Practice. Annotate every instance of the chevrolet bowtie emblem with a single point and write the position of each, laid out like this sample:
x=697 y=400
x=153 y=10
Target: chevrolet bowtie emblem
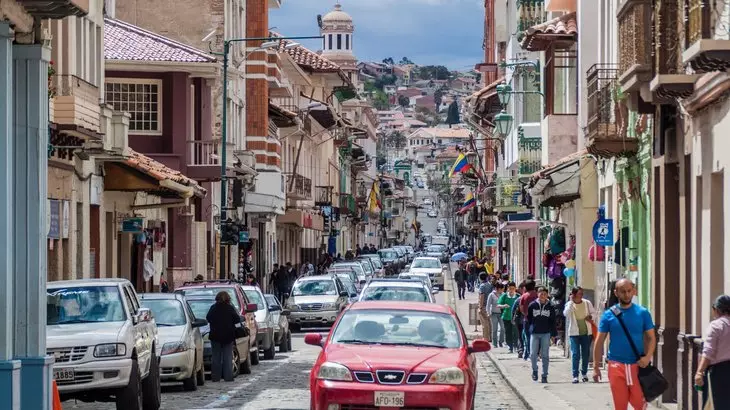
x=390 y=377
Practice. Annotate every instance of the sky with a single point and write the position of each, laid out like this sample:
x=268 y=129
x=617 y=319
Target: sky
x=429 y=32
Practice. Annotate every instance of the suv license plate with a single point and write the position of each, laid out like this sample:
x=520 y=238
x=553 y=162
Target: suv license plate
x=389 y=399
x=63 y=374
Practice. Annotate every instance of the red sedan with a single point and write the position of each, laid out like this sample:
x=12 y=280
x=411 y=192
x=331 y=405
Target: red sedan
x=407 y=355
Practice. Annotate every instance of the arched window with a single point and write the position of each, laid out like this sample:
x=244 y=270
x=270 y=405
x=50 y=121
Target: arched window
x=330 y=39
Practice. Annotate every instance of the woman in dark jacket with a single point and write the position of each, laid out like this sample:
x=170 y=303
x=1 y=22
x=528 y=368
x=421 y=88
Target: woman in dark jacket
x=222 y=318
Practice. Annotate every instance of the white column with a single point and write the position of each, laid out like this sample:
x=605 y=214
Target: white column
x=9 y=369
x=30 y=173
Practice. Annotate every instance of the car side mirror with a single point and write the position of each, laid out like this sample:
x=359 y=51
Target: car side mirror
x=344 y=293
x=314 y=339
x=252 y=307
x=407 y=267
x=144 y=315
x=274 y=308
x=285 y=312
x=435 y=291
x=199 y=323
x=480 y=345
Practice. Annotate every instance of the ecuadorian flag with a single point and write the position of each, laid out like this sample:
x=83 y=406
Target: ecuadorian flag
x=460 y=165
x=469 y=203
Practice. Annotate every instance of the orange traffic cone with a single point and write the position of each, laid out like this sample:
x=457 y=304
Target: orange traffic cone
x=56 y=397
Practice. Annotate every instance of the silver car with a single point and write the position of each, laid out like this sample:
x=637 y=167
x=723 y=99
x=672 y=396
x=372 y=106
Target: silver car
x=404 y=290
x=316 y=301
x=429 y=266
x=282 y=334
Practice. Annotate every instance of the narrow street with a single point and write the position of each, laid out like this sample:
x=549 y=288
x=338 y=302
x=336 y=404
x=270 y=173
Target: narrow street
x=282 y=383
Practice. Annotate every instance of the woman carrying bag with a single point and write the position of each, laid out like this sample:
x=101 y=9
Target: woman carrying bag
x=714 y=367
x=223 y=319
x=578 y=314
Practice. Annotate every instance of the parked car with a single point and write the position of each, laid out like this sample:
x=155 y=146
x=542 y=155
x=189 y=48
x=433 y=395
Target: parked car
x=377 y=263
x=391 y=261
x=264 y=321
x=105 y=344
x=438 y=251
x=282 y=334
x=432 y=213
x=316 y=300
x=431 y=267
x=243 y=356
x=239 y=300
x=362 y=275
x=417 y=356
x=406 y=290
x=178 y=330
x=346 y=272
x=351 y=289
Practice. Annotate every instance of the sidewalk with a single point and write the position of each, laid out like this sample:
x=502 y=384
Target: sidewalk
x=559 y=394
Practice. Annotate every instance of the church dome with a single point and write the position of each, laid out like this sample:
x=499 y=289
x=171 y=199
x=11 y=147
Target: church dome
x=337 y=16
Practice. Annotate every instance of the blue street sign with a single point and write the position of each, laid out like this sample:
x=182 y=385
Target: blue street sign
x=132 y=225
x=243 y=237
x=603 y=232
x=491 y=242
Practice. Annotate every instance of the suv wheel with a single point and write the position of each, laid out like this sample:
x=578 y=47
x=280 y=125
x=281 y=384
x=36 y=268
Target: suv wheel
x=255 y=356
x=151 y=390
x=200 y=376
x=130 y=397
x=271 y=351
x=283 y=343
x=288 y=341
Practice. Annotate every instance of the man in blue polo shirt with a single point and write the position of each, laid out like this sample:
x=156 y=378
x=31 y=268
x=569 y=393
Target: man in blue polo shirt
x=623 y=363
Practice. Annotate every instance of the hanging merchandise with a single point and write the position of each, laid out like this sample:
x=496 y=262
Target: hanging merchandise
x=568 y=272
x=597 y=253
x=546 y=258
x=557 y=241
x=555 y=270
x=570 y=264
x=149 y=270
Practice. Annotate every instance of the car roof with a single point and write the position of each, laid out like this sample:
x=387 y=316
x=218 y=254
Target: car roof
x=87 y=282
x=208 y=283
x=403 y=283
x=249 y=287
x=161 y=296
x=430 y=258
x=400 y=305
x=317 y=277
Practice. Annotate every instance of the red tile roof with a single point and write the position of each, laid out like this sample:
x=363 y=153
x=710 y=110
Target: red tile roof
x=160 y=171
x=308 y=58
x=124 y=41
x=537 y=37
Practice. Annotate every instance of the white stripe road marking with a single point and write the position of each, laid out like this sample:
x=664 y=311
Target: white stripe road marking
x=249 y=381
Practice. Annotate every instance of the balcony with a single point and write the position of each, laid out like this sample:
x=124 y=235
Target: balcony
x=347 y=204
x=55 y=9
x=529 y=151
x=363 y=191
x=607 y=118
x=670 y=81
x=76 y=108
x=530 y=13
x=635 y=45
x=509 y=194
x=203 y=161
x=705 y=53
x=323 y=195
x=298 y=187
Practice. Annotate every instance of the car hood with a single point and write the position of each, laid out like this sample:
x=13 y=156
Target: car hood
x=378 y=357
x=303 y=300
x=168 y=334
x=83 y=334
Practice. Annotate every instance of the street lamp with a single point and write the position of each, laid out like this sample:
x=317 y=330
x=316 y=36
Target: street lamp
x=504 y=93
x=503 y=123
x=268 y=42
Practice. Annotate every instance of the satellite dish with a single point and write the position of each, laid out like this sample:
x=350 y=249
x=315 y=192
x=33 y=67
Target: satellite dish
x=319 y=20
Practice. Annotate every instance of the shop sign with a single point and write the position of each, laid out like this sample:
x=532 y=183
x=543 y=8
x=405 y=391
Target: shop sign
x=54 y=218
x=65 y=220
x=306 y=220
x=132 y=224
x=243 y=236
x=603 y=232
x=490 y=242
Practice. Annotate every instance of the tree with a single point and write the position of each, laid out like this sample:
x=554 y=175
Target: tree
x=404 y=101
x=388 y=60
x=405 y=60
x=438 y=97
x=453 y=114
x=381 y=102
x=396 y=140
x=387 y=79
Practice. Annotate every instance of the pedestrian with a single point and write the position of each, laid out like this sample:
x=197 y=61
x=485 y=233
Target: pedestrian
x=623 y=363
x=358 y=250
x=505 y=302
x=578 y=314
x=251 y=280
x=518 y=321
x=714 y=368
x=485 y=289
x=460 y=279
x=541 y=316
x=199 y=277
x=222 y=318
x=527 y=297
x=495 y=314
x=349 y=255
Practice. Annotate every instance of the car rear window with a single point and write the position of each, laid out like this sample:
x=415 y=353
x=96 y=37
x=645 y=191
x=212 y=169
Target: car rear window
x=400 y=293
x=211 y=291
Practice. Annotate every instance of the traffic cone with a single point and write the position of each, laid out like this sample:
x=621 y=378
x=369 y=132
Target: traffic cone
x=56 y=397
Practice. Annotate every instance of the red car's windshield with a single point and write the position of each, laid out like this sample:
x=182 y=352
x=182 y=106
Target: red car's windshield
x=398 y=327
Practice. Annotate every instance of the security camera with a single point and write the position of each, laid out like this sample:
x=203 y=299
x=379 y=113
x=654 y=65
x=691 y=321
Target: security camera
x=209 y=37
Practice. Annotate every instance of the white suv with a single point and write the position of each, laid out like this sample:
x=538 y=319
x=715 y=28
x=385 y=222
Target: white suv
x=105 y=345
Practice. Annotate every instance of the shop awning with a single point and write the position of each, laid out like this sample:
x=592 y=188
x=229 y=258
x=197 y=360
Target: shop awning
x=281 y=117
x=562 y=30
x=302 y=219
x=140 y=173
x=559 y=183
x=485 y=102
x=519 y=225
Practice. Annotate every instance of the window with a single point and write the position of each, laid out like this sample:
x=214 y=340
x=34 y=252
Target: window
x=347 y=41
x=339 y=41
x=141 y=99
x=330 y=42
x=531 y=103
x=561 y=84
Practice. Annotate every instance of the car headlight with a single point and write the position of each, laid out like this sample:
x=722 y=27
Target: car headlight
x=334 y=371
x=174 y=347
x=448 y=375
x=292 y=306
x=328 y=305
x=110 y=350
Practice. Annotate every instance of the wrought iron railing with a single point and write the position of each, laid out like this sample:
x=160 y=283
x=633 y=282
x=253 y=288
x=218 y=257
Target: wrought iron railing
x=509 y=192
x=529 y=150
x=298 y=186
x=323 y=195
x=699 y=21
x=605 y=120
x=635 y=35
x=669 y=24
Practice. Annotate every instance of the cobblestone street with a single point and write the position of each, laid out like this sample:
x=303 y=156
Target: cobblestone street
x=282 y=383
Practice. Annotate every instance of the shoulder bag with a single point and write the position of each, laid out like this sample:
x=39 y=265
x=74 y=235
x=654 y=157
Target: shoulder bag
x=652 y=381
